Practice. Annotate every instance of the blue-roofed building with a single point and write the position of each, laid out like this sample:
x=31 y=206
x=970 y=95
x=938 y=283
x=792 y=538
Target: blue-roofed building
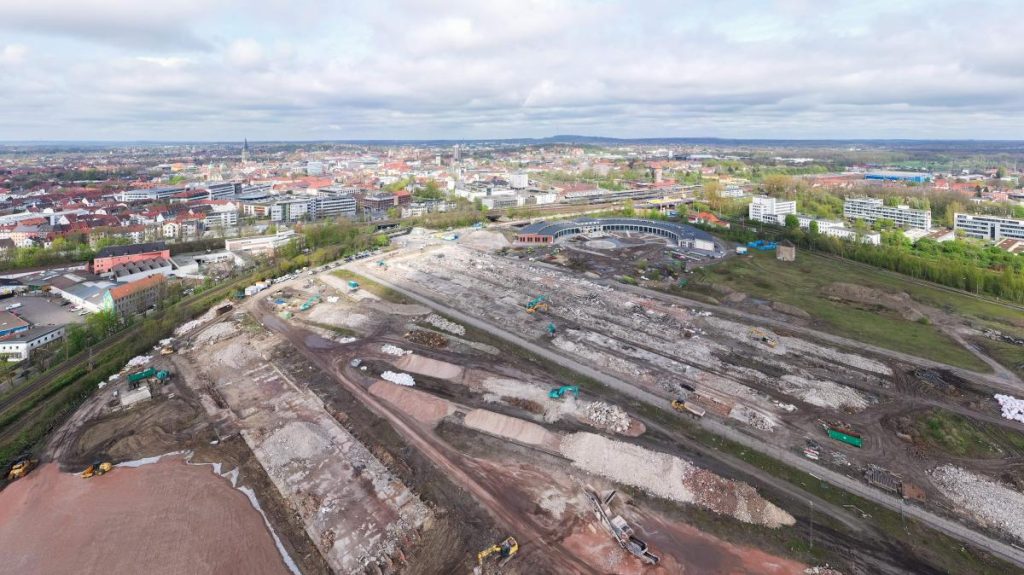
x=681 y=235
x=889 y=176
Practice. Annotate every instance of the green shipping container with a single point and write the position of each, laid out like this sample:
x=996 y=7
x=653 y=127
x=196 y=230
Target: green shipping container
x=141 y=375
x=848 y=439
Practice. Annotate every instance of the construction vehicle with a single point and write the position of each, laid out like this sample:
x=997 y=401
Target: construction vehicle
x=505 y=550
x=688 y=406
x=382 y=264
x=551 y=329
x=558 y=392
x=20 y=469
x=619 y=529
x=761 y=336
x=167 y=350
x=539 y=303
x=97 y=469
x=309 y=303
x=353 y=285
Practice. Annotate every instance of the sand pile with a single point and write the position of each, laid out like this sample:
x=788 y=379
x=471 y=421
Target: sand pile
x=669 y=477
x=421 y=406
x=513 y=428
x=429 y=367
x=110 y=523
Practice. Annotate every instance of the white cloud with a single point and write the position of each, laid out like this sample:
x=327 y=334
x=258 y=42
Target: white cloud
x=506 y=68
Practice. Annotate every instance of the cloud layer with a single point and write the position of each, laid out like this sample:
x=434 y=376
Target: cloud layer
x=318 y=69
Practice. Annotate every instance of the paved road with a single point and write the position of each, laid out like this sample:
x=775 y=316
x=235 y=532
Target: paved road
x=941 y=524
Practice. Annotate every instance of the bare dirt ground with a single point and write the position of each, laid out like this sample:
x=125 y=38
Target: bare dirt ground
x=133 y=520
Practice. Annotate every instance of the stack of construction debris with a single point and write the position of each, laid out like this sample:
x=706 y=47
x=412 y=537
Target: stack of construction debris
x=443 y=324
x=1012 y=407
x=987 y=500
x=606 y=416
x=427 y=338
x=399 y=378
x=394 y=350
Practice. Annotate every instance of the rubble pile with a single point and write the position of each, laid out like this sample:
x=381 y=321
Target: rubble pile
x=1012 y=407
x=443 y=324
x=821 y=570
x=988 y=501
x=669 y=477
x=139 y=361
x=607 y=416
x=398 y=378
x=427 y=338
x=394 y=350
x=823 y=393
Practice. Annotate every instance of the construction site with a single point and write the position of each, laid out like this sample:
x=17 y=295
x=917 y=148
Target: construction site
x=454 y=407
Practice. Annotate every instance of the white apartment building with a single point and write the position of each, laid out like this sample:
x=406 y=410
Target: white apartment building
x=873 y=209
x=770 y=210
x=836 y=229
x=519 y=181
x=990 y=228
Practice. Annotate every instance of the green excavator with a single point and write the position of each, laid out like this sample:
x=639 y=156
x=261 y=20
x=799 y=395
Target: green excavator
x=558 y=392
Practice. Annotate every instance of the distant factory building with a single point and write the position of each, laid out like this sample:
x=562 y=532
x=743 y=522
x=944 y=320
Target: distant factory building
x=112 y=256
x=890 y=176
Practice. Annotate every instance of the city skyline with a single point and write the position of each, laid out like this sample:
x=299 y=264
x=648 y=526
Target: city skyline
x=222 y=71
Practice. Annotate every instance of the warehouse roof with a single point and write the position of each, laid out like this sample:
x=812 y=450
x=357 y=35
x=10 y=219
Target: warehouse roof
x=114 y=251
x=681 y=231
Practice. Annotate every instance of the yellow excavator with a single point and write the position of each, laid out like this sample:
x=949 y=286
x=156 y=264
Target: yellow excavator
x=97 y=469
x=20 y=469
x=505 y=550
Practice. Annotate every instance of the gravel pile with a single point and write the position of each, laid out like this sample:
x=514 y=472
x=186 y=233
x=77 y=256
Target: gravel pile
x=398 y=378
x=443 y=324
x=1012 y=407
x=989 y=502
x=215 y=333
x=139 y=361
x=394 y=350
x=752 y=418
x=607 y=416
x=823 y=393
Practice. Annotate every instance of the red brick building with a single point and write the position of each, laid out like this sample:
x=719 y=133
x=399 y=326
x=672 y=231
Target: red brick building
x=112 y=256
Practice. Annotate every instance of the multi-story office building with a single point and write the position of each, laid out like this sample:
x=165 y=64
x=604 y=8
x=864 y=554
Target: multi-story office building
x=149 y=194
x=989 y=227
x=873 y=209
x=224 y=190
x=770 y=210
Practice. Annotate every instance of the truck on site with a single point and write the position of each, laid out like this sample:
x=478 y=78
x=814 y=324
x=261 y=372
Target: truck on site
x=97 y=469
x=21 y=469
x=558 y=392
x=134 y=379
x=353 y=285
x=503 y=551
x=681 y=405
x=845 y=436
x=618 y=528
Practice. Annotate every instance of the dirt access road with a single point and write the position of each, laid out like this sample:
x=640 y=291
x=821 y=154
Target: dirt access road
x=424 y=440
x=941 y=524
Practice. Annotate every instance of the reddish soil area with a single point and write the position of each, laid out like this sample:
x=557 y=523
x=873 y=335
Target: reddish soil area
x=422 y=406
x=168 y=517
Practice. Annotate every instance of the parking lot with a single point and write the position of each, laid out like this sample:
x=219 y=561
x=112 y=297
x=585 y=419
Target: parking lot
x=42 y=310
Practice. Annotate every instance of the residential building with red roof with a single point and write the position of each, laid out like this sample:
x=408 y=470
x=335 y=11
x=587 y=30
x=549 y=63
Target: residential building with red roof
x=134 y=297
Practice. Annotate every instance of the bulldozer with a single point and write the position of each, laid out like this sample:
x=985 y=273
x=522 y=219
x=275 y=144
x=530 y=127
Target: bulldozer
x=505 y=550
x=20 y=469
x=97 y=469
x=538 y=303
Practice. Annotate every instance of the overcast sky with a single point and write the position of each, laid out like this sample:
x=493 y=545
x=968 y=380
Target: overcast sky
x=404 y=69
